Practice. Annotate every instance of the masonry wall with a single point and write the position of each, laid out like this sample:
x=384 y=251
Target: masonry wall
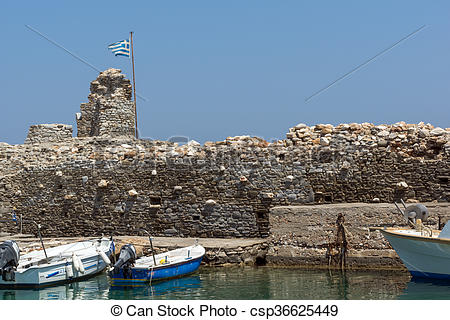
x=100 y=185
x=301 y=235
x=43 y=133
x=105 y=181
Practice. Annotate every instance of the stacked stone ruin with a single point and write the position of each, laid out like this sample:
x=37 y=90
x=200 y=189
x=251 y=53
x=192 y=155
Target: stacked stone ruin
x=417 y=140
x=110 y=111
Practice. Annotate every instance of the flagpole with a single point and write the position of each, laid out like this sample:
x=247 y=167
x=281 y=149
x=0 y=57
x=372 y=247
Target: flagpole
x=134 y=88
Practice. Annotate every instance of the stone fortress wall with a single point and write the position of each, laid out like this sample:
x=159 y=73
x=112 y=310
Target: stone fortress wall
x=105 y=181
x=42 y=133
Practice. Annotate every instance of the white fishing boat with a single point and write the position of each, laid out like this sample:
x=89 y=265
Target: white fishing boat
x=61 y=264
x=424 y=252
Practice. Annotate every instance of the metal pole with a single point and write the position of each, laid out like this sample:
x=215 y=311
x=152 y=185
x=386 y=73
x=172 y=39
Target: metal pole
x=403 y=203
x=153 y=251
x=400 y=210
x=40 y=238
x=42 y=242
x=151 y=245
x=134 y=87
x=21 y=224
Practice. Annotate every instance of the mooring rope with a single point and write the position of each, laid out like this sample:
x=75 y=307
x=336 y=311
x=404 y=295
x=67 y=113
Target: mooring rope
x=151 y=275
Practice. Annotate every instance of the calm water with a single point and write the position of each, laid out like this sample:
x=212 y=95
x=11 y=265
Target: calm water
x=252 y=283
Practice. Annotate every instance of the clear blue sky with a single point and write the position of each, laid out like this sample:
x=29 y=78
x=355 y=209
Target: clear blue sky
x=212 y=69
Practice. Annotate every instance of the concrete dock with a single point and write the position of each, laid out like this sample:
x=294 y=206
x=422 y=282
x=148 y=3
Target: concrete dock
x=218 y=251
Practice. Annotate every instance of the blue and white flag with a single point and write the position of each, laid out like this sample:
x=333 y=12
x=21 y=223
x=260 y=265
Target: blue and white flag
x=121 y=48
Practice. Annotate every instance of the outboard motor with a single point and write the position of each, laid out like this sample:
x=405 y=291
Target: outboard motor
x=127 y=257
x=416 y=211
x=9 y=259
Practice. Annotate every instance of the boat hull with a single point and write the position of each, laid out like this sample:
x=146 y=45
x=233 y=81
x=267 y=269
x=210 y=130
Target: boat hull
x=142 y=276
x=423 y=257
x=54 y=273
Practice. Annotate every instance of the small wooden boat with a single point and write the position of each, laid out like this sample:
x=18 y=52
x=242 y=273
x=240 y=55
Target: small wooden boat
x=57 y=265
x=424 y=252
x=129 y=270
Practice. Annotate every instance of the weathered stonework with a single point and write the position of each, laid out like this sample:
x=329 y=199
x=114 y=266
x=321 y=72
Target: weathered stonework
x=110 y=111
x=105 y=181
x=42 y=133
x=417 y=140
x=300 y=235
x=82 y=186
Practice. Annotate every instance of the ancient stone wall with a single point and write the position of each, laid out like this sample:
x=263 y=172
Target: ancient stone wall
x=105 y=181
x=100 y=185
x=42 y=133
x=417 y=140
x=96 y=186
x=110 y=111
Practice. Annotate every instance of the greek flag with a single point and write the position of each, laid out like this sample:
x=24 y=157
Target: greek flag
x=121 y=48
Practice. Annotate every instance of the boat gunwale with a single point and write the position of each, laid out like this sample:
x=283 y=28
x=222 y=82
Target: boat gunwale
x=35 y=264
x=197 y=254
x=61 y=262
x=392 y=232
x=167 y=265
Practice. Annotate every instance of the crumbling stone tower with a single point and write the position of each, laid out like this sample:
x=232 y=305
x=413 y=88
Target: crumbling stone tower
x=110 y=111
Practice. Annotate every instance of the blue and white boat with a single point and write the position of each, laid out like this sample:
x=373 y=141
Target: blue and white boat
x=61 y=264
x=172 y=264
x=424 y=252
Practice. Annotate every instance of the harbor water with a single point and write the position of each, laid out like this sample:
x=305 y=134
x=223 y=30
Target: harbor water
x=251 y=283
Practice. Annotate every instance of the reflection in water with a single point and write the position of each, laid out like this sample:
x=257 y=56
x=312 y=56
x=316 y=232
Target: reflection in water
x=95 y=288
x=252 y=283
x=180 y=288
x=422 y=289
x=291 y=283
